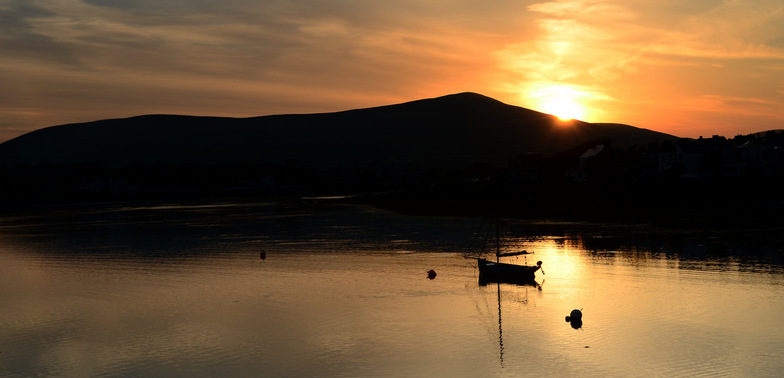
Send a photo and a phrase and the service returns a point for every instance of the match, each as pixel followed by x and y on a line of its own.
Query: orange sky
pixel 687 68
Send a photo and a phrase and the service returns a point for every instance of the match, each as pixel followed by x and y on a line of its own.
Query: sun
pixel 563 108
pixel 561 101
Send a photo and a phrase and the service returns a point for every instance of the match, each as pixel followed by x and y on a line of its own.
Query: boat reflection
pixel 485 280
pixel 575 323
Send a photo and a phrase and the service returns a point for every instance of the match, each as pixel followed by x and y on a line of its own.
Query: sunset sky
pixel 688 68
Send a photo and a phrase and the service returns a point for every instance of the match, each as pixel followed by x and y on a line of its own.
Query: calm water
pixel 180 290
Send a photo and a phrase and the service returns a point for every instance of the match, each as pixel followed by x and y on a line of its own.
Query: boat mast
pixel 500 331
pixel 497 241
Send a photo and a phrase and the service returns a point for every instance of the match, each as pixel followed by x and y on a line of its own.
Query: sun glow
pixel 563 108
pixel 560 101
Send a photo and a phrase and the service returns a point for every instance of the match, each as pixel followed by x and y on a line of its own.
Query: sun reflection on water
pixel 561 256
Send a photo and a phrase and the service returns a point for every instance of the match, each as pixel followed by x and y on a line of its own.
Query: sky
pixel 688 68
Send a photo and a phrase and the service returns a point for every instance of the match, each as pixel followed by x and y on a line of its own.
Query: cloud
pixel 732 104
pixel 740 29
pixel 583 9
pixel 244 38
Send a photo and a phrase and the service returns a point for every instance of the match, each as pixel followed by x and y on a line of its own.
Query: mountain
pixel 439 133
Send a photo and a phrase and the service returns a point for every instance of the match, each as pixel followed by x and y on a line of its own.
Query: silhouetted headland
pixel 454 154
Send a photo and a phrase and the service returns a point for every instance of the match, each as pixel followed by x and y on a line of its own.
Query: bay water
pixel 324 289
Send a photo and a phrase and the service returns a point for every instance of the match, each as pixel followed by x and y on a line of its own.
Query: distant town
pixel 758 155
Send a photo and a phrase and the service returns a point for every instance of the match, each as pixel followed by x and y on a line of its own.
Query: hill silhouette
pixel 457 154
pixel 439 133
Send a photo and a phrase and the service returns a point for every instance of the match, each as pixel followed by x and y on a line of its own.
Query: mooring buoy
pixel 574 315
pixel 575 318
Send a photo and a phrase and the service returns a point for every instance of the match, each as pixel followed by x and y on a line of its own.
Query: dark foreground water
pixel 181 290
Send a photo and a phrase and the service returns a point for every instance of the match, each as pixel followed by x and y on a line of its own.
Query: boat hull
pixel 490 271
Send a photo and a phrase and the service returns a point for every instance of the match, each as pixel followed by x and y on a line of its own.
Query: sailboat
pixel 494 271
pixel 498 283
pixel 497 271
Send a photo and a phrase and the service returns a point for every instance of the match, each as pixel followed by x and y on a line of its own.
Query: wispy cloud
pixel 735 105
